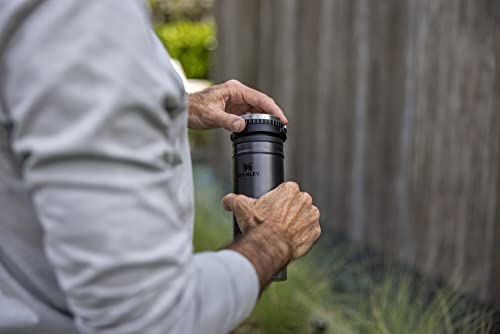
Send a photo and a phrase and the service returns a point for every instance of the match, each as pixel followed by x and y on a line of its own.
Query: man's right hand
pixel 280 226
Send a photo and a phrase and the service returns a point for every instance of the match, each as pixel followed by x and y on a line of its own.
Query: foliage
pixel 337 288
pixel 190 43
pixel 180 10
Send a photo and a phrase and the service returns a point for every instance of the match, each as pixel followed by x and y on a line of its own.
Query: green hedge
pixel 191 43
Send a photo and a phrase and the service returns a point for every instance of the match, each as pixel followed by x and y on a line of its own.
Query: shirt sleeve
pixel 99 128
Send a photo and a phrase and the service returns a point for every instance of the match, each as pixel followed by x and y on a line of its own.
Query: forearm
pixel 266 250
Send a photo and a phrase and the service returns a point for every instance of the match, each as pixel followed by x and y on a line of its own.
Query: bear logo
pixel 247 167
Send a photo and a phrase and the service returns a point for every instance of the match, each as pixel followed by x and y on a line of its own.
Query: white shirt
pixel 96 195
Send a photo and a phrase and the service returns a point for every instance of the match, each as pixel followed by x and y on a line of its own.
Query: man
pixel 95 182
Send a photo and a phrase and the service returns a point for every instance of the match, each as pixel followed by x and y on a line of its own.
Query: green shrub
pixel 191 44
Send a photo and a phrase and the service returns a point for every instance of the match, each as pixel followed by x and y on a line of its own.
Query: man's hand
pixel 221 106
pixel 280 226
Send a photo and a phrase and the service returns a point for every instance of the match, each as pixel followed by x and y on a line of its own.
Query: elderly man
pixel 96 193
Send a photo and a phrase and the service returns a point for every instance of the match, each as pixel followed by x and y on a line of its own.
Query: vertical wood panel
pixel 407 245
pixel 236 57
pixel 456 151
pixel 319 119
pixel 284 65
pixel 338 150
pixel 362 68
pixel 301 136
pixel 395 123
pixel 385 102
pixel 266 25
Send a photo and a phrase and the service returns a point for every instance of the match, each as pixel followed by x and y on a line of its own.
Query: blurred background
pixel 394 109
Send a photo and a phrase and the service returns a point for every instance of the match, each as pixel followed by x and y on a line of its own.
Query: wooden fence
pixel 394 109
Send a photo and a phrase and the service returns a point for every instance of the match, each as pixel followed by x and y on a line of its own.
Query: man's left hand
pixel 220 106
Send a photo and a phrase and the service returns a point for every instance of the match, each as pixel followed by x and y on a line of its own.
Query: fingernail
pixel 237 125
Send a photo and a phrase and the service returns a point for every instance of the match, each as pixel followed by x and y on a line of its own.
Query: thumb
pixel 227 201
pixel 230 122
pixel 241 206
pixel 233 202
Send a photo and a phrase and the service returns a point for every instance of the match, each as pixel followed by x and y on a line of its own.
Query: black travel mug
pixel 258 161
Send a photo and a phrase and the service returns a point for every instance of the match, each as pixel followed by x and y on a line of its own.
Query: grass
pixel 335 290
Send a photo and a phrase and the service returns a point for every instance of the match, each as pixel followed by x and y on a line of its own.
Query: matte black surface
pixel 258 164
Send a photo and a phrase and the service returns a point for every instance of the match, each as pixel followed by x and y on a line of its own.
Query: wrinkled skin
pixel 289 212
pixel 283 224
pixel 277 228
pixel 220 106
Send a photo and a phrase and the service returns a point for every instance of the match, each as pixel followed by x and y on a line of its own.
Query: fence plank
pixel 395 127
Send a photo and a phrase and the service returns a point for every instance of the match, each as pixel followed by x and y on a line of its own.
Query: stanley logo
pixel 248 170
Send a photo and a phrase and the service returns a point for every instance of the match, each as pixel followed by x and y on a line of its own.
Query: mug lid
pixel 260 116
pixel 261 124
